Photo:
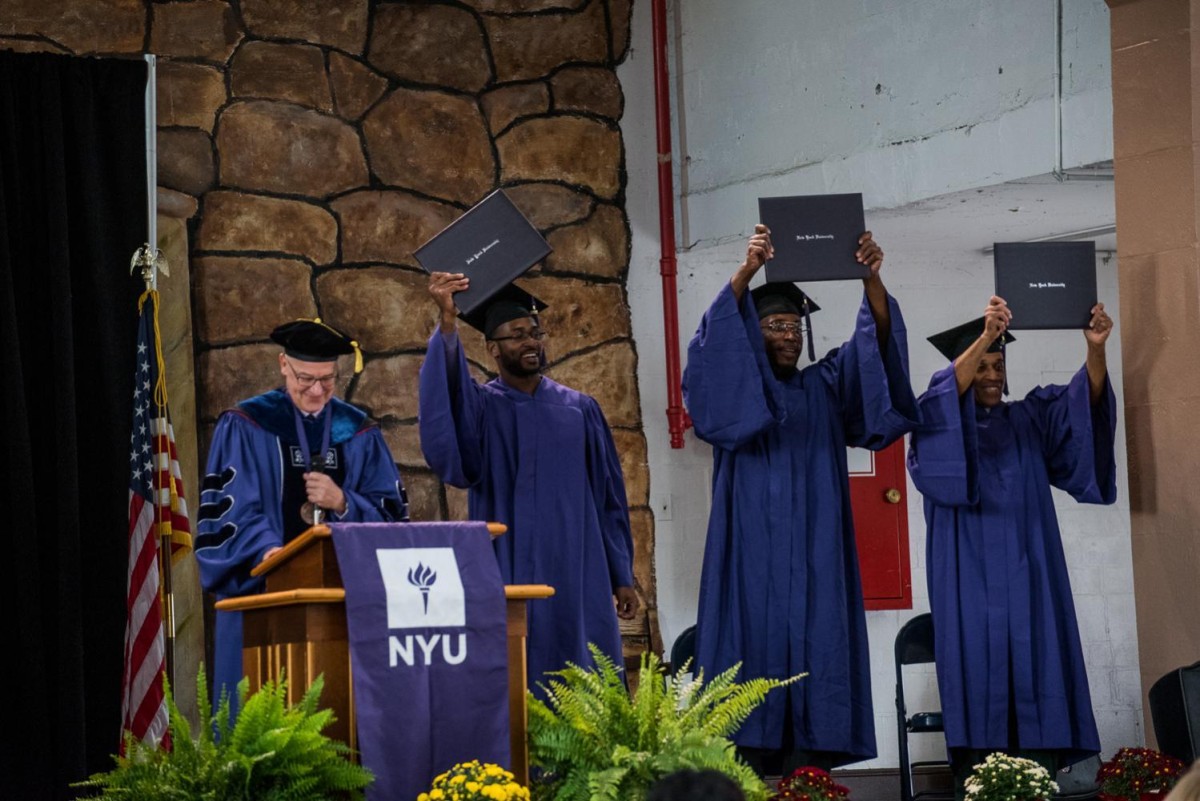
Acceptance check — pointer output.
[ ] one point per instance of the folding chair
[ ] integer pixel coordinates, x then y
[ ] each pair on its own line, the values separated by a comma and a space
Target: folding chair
914, 646
683, 649
1078, 782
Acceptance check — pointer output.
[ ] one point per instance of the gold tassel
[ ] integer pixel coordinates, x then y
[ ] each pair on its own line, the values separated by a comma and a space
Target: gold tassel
358, 364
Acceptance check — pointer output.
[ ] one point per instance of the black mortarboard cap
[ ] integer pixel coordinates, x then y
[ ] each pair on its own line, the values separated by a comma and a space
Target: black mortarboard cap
954, 341
510, 303
315, 341
784, 297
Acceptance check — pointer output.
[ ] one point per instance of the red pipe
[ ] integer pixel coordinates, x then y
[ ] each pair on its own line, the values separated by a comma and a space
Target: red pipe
677, 417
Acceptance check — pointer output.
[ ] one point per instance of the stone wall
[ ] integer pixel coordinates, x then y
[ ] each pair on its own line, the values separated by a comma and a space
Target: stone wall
313, 144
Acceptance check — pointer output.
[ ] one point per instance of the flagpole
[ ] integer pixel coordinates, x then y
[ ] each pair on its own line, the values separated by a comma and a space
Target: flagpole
150, 277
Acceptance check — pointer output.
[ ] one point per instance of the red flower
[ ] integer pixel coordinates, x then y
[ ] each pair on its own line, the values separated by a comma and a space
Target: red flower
810, 784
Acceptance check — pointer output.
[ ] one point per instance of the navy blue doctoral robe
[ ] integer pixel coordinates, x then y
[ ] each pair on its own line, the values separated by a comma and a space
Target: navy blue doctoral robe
545, 465
780, 589
242, 514
1006, 633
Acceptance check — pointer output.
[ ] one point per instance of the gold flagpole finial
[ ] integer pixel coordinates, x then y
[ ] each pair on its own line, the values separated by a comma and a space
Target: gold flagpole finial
147, 260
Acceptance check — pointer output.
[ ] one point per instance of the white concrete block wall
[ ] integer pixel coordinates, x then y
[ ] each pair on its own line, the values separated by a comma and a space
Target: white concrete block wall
780, 99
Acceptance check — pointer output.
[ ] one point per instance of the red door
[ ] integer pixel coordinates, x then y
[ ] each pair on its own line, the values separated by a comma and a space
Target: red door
877, 496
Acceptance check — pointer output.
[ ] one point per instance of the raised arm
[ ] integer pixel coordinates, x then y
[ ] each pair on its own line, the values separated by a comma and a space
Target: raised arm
1097, 334
450, 415
758, 251
870, 254
995, 322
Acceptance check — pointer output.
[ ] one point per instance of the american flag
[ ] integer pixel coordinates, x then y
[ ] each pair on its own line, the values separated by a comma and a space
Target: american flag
156, 509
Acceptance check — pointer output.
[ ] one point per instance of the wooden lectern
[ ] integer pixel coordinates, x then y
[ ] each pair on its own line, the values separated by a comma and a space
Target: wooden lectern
298, 625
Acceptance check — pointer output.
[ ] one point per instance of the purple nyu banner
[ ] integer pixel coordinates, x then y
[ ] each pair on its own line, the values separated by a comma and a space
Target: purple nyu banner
426, 615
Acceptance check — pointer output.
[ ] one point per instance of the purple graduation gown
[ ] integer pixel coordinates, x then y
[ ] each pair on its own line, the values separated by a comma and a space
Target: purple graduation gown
780, 589
545, 465
241, 512
1004, 618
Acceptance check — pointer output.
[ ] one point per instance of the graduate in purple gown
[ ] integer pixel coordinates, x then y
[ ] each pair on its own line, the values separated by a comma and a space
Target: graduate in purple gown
538, 457
1009, 662
780, 589
275, 460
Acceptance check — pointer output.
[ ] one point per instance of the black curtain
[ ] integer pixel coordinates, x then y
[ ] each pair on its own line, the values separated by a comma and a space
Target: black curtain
72, 211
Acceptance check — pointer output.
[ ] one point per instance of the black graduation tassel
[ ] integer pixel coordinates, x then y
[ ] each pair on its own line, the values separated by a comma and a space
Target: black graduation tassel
812, 349
1005, 356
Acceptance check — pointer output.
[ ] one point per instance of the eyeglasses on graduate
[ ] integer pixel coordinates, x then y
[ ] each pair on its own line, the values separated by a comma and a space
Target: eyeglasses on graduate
781, 328
536, 334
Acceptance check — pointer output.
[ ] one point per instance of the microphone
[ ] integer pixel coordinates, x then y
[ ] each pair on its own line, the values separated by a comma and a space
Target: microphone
317, 463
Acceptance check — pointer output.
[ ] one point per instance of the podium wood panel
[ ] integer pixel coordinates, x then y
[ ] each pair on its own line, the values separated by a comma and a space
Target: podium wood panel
299, 626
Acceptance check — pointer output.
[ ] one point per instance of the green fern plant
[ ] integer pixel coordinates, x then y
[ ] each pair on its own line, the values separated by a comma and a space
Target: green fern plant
273, 752
592, 742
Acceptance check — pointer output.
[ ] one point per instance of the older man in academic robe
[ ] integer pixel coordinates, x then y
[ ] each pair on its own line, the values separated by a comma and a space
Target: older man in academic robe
275, 460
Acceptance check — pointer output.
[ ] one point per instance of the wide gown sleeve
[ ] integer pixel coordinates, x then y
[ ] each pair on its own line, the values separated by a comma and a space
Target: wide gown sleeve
871, 384
943, 455
450, 413
374, 492
608, 488
234, 528
1078, 438
728, 387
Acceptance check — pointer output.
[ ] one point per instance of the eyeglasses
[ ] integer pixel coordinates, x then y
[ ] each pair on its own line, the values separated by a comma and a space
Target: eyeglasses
521, 336
780, 328
306, 381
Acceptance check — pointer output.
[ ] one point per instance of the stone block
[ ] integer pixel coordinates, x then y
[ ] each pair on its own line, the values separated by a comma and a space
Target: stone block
594, 90
278, 147
1136, 23
387, 388
641, 524
424, 495
31, 46
1158, 301
1152, 104
620, 18
241, 299
186, 161
528, 47
404, 441
631, 447
505, 104
384, 308
338, 23
608, 374
234, 374
550, 205
571, 150
202, 29
235, 221
1156, 202
457, 503
291, 72
523, 6
176, 204
430, 44
387, 226
355, 85
189, 95
598, 246
579, 314
433, 143
98, 26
